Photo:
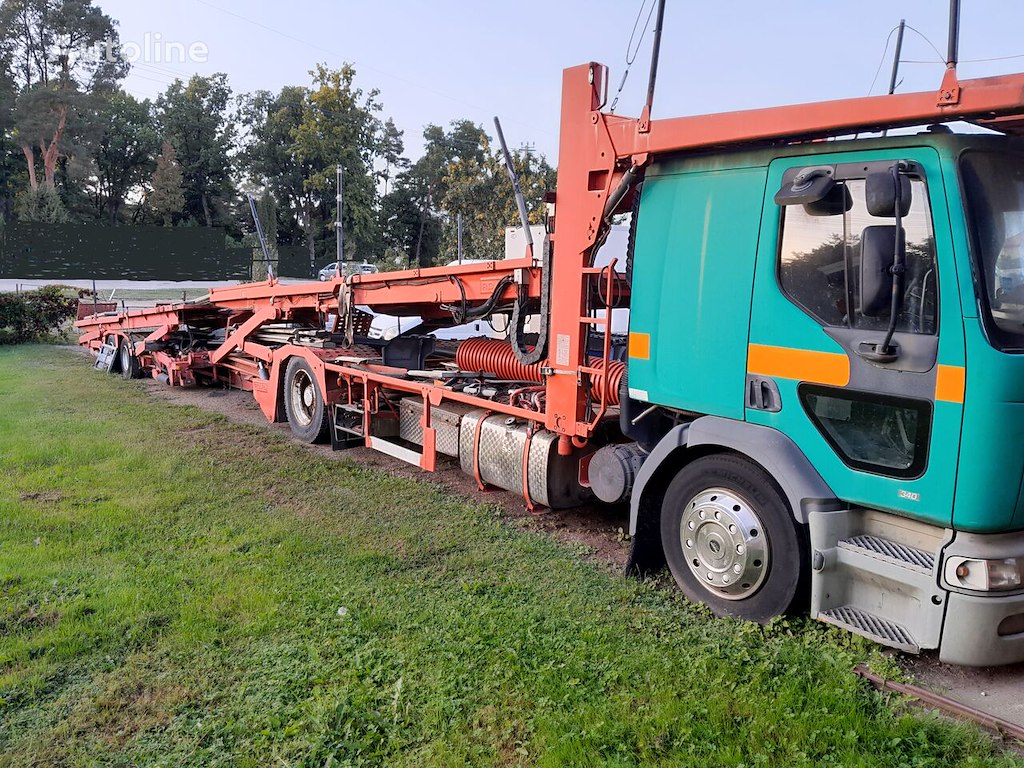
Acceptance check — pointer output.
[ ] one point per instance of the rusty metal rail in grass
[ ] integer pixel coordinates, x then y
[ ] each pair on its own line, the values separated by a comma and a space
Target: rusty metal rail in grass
944, 703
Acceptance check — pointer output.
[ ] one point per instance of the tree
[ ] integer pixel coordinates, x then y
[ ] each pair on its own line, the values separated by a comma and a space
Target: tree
392, 150
425, 183
124, 153
271, 161
339, 126
194, 119
405, 226
480, 189
167, 196
42, 204
67, 42
9, 150
461, 173
51, 47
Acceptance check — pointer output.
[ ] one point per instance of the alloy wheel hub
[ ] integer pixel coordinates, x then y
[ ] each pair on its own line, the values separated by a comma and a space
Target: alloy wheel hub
724, 543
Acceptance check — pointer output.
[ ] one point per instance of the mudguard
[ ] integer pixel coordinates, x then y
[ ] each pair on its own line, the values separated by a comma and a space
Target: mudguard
800, 482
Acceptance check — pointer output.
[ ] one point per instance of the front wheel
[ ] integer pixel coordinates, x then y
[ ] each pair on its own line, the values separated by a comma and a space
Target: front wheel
731, 541
304, 402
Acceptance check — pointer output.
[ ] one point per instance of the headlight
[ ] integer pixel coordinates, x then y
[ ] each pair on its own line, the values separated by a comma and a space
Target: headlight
389, 333
985, 575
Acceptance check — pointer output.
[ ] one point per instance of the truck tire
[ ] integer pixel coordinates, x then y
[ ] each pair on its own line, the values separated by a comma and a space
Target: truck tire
731, 541
129, 362
304, 402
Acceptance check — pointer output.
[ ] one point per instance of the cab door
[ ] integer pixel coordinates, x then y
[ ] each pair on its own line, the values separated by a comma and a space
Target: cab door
882, 432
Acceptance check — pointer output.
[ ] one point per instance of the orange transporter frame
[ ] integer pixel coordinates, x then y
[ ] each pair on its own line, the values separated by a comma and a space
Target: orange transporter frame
601, 157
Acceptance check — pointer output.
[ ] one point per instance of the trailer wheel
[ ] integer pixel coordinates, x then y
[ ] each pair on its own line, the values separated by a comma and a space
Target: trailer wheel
128, 361
304, 402
731, 541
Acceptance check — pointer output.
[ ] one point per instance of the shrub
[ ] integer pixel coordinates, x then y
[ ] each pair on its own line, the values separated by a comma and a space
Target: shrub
42, 205
26, 317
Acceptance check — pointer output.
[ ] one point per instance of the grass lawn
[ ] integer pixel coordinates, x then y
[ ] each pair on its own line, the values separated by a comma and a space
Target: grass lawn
179, 590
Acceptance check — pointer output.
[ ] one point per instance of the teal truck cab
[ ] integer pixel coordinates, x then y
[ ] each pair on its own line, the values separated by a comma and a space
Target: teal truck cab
832, 333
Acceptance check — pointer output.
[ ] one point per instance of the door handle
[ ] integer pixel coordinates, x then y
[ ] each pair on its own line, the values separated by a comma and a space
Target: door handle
763, 394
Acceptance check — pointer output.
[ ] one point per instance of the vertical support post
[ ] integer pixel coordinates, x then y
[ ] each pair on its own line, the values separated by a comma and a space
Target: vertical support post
339, 231
583, 151
458, 219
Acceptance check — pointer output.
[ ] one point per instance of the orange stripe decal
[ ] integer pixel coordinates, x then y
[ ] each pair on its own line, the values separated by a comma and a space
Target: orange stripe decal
640, 346
831, 368
950, 383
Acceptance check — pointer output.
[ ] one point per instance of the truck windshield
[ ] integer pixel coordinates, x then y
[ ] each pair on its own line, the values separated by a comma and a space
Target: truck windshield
994, 190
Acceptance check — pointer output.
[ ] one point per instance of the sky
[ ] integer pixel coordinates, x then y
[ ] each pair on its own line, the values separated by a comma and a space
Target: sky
444, 60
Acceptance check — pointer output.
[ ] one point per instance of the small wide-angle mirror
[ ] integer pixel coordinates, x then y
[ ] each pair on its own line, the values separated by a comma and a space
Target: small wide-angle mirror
835, 202
880, 194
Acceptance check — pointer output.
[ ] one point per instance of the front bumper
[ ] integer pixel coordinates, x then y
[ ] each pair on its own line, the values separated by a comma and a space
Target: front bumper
973, 631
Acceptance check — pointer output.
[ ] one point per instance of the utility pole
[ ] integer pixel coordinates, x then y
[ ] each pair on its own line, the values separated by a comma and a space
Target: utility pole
338, 229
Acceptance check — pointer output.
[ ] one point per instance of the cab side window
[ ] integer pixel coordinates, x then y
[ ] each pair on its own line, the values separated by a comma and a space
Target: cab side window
819, 259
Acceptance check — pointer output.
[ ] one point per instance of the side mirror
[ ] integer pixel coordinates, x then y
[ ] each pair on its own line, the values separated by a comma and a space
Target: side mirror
880, 194
805, 185
877, 255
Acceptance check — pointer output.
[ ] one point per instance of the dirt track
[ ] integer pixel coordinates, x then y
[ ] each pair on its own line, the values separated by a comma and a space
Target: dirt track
600, 529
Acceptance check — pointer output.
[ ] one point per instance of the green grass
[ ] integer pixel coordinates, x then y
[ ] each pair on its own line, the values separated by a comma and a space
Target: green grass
152, 294
170, 587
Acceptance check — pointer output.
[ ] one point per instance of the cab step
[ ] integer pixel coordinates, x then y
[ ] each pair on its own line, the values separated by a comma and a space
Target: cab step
892, 552
347, 426
872, 627
875, 574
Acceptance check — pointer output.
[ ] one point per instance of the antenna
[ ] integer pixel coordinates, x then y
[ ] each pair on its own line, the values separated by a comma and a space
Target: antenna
261, 236
954, 34
896, 62
520, 200
644, 124
655, 55
896, 57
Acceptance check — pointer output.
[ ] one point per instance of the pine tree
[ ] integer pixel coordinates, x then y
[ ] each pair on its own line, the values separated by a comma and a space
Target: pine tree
167, 197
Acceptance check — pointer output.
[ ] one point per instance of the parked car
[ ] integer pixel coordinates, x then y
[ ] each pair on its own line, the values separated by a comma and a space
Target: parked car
329, 272
387, 327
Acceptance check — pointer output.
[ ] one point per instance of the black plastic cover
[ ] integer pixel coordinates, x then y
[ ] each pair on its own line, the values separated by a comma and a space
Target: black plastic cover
880, 194
801, 186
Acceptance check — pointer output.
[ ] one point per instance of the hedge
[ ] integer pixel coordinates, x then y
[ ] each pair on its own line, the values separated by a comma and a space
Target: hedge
36, 315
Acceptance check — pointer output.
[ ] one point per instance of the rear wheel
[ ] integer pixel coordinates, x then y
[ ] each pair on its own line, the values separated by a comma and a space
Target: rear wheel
128, 361
731, 541
304, 402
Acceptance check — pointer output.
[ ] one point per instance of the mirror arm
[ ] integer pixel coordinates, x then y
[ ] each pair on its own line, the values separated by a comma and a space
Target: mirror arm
898, 268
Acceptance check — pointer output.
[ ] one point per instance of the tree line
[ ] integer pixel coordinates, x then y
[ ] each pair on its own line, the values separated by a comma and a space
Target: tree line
76, 147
